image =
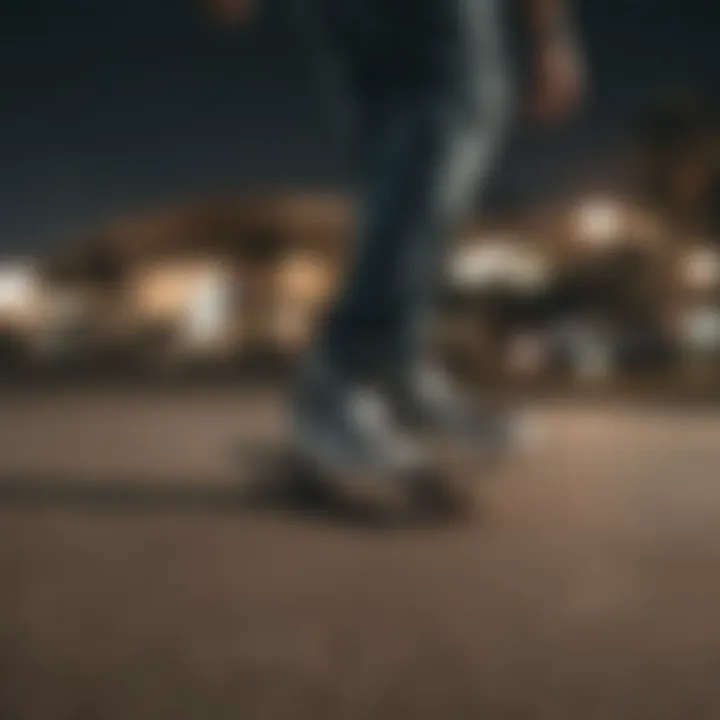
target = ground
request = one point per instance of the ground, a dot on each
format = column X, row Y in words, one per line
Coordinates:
column 136, row 586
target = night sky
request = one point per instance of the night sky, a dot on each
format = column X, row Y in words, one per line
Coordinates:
column 108, row 107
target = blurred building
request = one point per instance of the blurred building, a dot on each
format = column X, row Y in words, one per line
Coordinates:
column 595, row 285
column 214, row 280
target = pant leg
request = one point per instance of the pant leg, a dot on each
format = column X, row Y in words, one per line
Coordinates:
column 468, row 138
column 433, row 102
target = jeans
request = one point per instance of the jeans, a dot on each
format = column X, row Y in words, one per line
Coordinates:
column 431, row 95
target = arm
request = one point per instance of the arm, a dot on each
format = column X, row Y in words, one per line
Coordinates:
column 557, row 75
column 229, row 12
column 547, row 21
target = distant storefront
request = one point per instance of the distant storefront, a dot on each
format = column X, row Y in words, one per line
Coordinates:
column 230, row 279
column 222, row 278
column 195, row 301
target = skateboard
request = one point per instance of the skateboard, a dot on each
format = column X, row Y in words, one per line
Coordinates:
column 281, row 474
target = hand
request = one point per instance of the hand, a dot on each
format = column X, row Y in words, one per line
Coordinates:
column 230, row 12
column 558, row 81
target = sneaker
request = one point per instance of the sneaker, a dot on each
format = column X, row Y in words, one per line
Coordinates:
column 347, row 432
column 428, row 402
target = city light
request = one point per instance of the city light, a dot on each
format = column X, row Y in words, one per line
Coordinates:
column 209, row 309
column 19, row 288
column 305, row 281
column 194, row 296
column 701, row 268
column 498, row 261
column 305, row 276
column 599, row 223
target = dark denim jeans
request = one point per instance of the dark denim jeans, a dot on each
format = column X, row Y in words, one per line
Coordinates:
column 431, row 93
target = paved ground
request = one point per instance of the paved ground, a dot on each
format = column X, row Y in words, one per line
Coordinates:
column 134, row 586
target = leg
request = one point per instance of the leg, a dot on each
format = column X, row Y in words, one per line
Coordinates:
column 432, row 97
column 439, row 126
column 436, row 106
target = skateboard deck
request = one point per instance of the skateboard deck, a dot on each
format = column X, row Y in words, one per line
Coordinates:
column 281, row 473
